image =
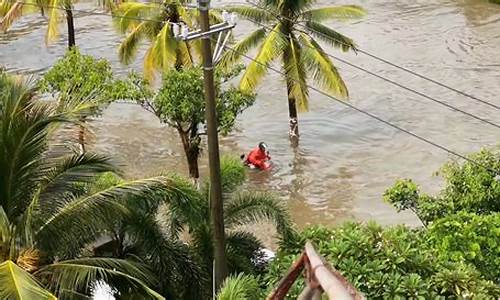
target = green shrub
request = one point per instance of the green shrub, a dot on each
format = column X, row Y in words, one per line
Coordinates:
column 469, row 187
column 467, row 237
column 391, row 263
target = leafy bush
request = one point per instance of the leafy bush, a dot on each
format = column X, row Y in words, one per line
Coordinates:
column 469, row 187
column 81, row 75
column 391, row 263
column 467, row 237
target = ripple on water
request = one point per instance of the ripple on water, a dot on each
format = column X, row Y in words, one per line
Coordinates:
column 345, row 160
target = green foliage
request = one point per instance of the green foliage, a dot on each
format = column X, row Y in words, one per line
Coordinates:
column 181, row 98
column 181, row 101
column 471, row 187
column 404, row 194
column 287, row 32
column 233, row 173
column 79, row 74
column 468, row 187
column 463, row 220
column 390, row 263
column 471, row 238
column 241, row 210
column 47, row 210
column 241, row 287
column 17, row 284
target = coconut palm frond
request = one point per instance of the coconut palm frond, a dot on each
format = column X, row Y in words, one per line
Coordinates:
column 170, row 259
column 241, row 247
column 79, row 221
column 54, row 19
column 65, row 174
column 10, row 13
column 17, row 284
column 128, row 48
column 232, row 56
column 79, row 274
column 344, row 12
column 25, row 125
column 272, row 47
column 184, row 55
column 233, row 173
column 330, row 36
column 252, row 13
column 128, row 15
column 321, row 67
column 295, row 73
column 252, row 207
column 162, row 54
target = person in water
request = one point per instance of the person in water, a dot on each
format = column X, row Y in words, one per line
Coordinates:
column 259, row 157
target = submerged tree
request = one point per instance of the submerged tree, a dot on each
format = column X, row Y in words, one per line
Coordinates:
column 10, row 11
column 47, row 213
column 90, row 79
column 288, row 34
column 180, row 104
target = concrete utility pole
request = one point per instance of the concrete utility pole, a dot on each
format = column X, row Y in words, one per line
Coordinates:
column 216, row 205
column 181, row 31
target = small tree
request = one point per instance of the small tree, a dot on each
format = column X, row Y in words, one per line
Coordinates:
column 180, row 104
column 79, row 79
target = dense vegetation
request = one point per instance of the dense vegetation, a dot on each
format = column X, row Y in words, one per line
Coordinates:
column 68, row 221
column 455, row 256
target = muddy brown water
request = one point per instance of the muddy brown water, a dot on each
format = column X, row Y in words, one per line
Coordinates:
column 345, row 160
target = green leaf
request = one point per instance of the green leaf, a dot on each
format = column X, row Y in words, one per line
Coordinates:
column 321, row 67
column 77, row 274
column 231, row 57
column 330, row 36
column 252, row 13
column 272, row 47
column 17, row 284
column 343, row 12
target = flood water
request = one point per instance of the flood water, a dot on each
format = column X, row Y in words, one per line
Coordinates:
column 345, row 160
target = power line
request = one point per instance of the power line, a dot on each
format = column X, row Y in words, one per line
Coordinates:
column 414, row 73
column 367, row 113
column 390, row 81
column 496, row 172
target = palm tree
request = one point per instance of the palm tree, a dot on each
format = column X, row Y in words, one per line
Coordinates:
column 241, row 210
column 141, row 235
column 10, row 11
column 48, row 213
column 289, row 33
column 182, row 230
column 152, row 22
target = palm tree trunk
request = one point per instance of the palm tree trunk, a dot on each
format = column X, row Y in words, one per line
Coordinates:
column 292, row 113
column 71, row 28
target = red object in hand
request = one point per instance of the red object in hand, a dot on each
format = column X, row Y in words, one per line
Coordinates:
column 259, row 158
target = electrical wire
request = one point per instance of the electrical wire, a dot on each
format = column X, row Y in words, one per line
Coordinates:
column 412, row 72
column 351, row 106
column 390, row 81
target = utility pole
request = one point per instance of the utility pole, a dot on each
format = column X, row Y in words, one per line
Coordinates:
column 216, row 205
column 181, row 31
